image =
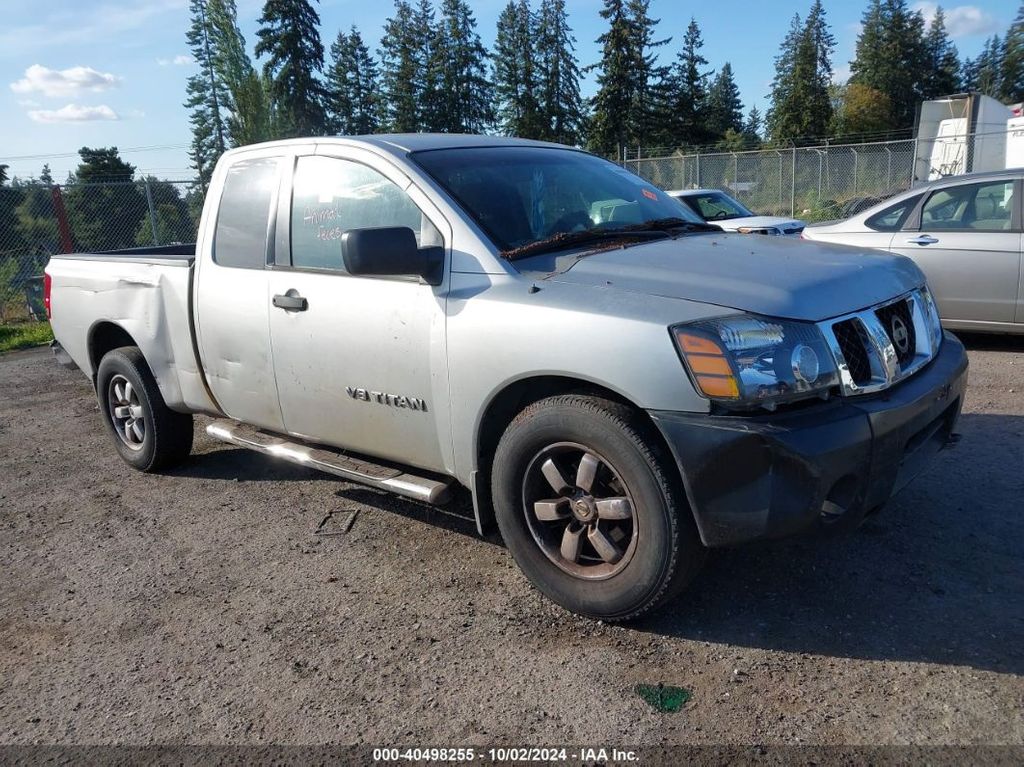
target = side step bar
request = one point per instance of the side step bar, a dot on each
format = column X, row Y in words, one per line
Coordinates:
column 429, row 490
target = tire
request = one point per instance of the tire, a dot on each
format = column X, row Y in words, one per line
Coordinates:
column 655, row 549
column 147, row 434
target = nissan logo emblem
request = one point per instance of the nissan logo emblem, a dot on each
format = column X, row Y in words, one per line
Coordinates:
column 900, row 336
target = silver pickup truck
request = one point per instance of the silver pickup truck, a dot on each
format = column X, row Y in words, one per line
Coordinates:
column 619, row 385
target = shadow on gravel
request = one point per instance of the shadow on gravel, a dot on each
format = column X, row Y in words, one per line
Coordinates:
column 936, row 577
column 992, row 342
column 236, row 463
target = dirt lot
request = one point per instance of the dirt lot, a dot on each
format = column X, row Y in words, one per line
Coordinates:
column 200, row 607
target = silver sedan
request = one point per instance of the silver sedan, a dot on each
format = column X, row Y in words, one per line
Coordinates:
column 965, row 234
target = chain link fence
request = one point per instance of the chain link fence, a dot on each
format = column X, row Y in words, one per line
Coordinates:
column 38, row 220
column 814, row 183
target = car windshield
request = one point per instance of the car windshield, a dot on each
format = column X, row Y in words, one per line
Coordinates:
column 534, row 199
column 715, row 206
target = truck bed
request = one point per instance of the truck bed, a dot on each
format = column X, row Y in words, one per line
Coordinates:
column 168, row 255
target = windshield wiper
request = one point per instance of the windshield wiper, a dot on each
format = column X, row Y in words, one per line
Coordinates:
column 654, row 229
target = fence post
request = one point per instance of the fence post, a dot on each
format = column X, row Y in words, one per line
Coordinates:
column 855, row 156
column 698, row 171
column 66, row 245
column 792, row 186
column 888, row 169
column 781, row 173
column 152, row 212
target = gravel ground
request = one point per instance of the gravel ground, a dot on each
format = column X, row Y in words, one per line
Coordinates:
column 200, row 607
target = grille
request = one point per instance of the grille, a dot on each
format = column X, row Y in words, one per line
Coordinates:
column 888, row 315
column 853, row 346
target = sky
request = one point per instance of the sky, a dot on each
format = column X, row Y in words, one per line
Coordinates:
column 94, row 73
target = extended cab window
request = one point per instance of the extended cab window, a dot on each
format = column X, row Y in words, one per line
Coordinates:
column 893, row 217
column 240, row 239
column 978, row 207
column 331, row 196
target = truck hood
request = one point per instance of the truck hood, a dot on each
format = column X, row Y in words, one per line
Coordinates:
column 776, row 276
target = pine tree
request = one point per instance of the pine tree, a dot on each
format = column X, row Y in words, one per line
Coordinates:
column 251, row 116
column 558, row 75
column 941, row 76
column 724, row 110
column 989, row 63
column 801, row 104
column 459, row 60
column 289, row 35
column 649, row 92
column 515, row 75
column 892, row 58
column 351, row 87
column 752, row 128
column 401, row 71
column 205, row 100
column 45, row 176
column 104, row 209
column 1011, row 73
column 611, row 103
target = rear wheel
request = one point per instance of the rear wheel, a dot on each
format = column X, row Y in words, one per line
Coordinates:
column 587, row 507
column 147, row 434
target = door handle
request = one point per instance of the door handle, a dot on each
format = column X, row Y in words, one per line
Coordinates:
column 923, row 239
column 291, row 303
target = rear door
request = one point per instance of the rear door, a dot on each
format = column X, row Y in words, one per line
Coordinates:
column 362, row 363
column 967, row 240
column 232, row 304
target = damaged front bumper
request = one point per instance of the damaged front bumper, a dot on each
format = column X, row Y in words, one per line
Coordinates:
column 768, row 476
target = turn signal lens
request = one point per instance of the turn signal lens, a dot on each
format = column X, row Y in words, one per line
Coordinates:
column 710, row 367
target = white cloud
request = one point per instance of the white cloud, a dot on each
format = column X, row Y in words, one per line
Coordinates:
column 73, row 113
column 961, row 20
column 181, row 60
column 64, row 82
column 840, row 74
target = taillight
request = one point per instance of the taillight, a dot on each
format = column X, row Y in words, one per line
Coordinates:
column 47, row 285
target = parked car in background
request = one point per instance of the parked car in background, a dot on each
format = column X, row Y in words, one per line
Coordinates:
column 965, row 234
column 728, row 213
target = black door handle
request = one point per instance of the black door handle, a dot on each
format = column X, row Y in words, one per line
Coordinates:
column 291, row 303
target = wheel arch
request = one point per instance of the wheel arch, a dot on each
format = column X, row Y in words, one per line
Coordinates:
column 506, row 402
column 105, row 336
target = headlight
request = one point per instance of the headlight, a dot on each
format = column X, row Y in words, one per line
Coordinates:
column 749, row 360
column 931, row 314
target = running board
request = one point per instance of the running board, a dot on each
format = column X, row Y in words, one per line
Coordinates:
column 435, row 491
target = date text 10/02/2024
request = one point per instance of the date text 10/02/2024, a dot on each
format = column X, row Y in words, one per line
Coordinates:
column 593, row 755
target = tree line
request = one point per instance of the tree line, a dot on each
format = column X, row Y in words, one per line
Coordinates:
column 432, row 73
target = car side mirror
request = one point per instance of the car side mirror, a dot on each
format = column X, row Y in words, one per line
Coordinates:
column 390, row 251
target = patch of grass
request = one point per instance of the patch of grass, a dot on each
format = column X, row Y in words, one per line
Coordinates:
column 23, row 335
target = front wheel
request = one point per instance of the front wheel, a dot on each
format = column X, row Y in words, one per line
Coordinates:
column 147, row 434
column 588, row 509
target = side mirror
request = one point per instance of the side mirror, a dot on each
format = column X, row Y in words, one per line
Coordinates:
column 390, row 251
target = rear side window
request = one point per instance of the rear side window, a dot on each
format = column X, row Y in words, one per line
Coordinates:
column 979, row 207
column 330, row 196
column 893, row 217
column 240, row 239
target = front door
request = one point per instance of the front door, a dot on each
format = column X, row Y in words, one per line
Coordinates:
column 969, row 247
column 360, row 362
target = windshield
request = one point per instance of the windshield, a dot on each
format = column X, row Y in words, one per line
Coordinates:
column 526, row 196
column 715, row 206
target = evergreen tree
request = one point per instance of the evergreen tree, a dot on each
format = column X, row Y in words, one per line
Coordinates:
column 251, row 116
column 558, row 75
column 752, row 128
column 801, row 105
column 941, row 76
column 289, row 35
column 988, row 69
column 205, row 100
column 611, row 103
column 515, row 77
column 649, row 89
column 401, row 71
column 891, row 57
column 104, row 208
column 459, row 61
column 429, row 66
column 1012, row 69
column 352, row 86
column 724, row 109
column 45, row 176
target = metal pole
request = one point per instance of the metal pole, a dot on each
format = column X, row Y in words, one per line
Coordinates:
column 781, row 172
column 854, row 150
column 698, row 170
column 888, row 168
column 792, row 186
column 152, row 212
